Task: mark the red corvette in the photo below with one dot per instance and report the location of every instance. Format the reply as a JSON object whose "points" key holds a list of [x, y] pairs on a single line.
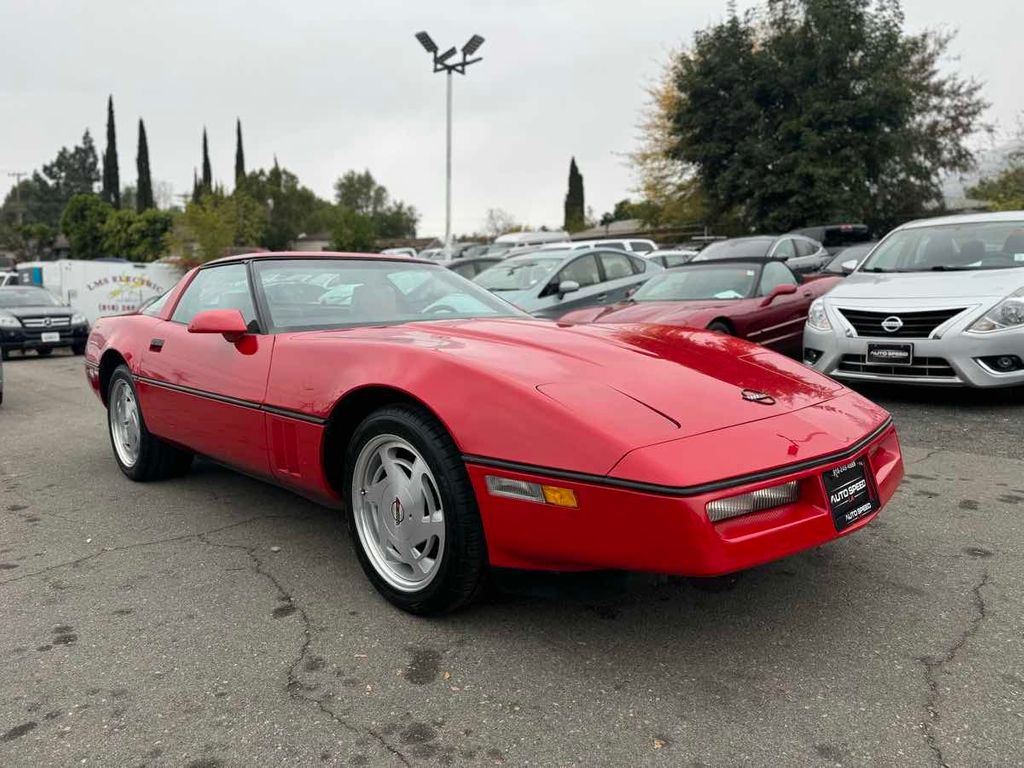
{"points": [[458, 433], [760, 300]]}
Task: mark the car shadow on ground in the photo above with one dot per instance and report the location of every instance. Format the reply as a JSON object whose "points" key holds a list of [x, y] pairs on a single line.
{"points": [[966, 397]]}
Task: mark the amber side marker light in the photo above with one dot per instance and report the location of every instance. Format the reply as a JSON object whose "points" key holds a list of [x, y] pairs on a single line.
{"points": [[541, 494], [755, 501]]}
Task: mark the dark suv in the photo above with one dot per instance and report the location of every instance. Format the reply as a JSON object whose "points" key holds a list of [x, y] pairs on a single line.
{"points": [[32, 318]]}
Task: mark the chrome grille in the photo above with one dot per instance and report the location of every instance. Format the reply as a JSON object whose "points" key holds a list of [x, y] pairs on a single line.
{"points": [[46, 322], [922, 367], [916, 325]]}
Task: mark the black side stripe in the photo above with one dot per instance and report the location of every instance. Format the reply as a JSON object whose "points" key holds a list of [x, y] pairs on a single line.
{"points": [[679, 490], [298, 415]]}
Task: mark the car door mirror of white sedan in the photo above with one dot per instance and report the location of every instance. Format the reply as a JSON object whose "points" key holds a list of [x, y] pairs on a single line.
{"points": [[227, 322], [849, 266], [568, 286]]}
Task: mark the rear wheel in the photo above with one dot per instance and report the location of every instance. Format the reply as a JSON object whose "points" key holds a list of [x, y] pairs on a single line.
{"points": [[140, 455], [412, 513]]}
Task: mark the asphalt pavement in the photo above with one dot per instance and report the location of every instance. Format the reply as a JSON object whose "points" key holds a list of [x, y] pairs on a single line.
{"points": [[219, 621]]}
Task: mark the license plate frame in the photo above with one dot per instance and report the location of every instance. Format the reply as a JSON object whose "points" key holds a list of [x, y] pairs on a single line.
{"points": [[50, 337], [850, 492], [890, 353]]}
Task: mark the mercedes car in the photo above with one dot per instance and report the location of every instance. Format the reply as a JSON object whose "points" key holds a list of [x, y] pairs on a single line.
{"points": [[938, 301], [32, 318]]}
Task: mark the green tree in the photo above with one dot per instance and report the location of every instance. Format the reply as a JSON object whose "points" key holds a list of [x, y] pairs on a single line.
{"points": [[205, 230], [808, 111], [361, 194], [144, 193], [291, 208], [137, 236], [111, 190], [239, 153], [351, 231], [575, 208], [83, 222], [207, 170], [1005, 190]]}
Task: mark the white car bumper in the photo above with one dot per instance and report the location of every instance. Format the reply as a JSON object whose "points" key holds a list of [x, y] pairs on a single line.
{"points": [[955, 358]]}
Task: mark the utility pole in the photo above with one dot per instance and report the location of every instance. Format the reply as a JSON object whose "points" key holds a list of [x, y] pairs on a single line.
{"points": [[441, 65], [18, 176]]}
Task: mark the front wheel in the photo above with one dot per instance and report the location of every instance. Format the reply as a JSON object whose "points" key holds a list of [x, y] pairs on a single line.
{"points": [[139, 454], [412, 513], [719, 327], [78, 349], [44, 351]]}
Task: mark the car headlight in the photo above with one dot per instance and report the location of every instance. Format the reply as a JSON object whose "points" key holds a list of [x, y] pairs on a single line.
{"points": [[1008, 313], [817, 317], [9, 321], [78, 319]]}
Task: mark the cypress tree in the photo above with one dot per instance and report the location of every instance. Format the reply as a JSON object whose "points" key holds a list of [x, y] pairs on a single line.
{"points": [[197, 191], [207, 172], [111, 191], [144, 191], [575, 217], [239, 153]]}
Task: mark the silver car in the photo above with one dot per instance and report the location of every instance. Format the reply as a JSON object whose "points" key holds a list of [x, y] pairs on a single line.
{"points": [[938, 301], [549, 283]]}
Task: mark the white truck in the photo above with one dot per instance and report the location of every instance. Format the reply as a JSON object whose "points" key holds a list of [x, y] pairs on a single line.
{"points": [[101, 287]]}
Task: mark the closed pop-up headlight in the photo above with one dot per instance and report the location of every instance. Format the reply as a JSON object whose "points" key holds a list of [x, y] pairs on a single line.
{"points": [[1009, 313], [817, 318]]}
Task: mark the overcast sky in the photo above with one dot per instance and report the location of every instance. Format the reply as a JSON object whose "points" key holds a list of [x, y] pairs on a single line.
{"points": [[335, 85]]}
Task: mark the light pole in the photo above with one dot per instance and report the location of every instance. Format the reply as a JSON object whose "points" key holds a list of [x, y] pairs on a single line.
{"points": [[441, 65]]}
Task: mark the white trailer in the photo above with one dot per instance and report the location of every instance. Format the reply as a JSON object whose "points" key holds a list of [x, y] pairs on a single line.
{"points": [[100, 288]]}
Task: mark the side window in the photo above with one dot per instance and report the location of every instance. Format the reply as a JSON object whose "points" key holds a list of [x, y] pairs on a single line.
{"points": [[156, 306], [224, 287], [775, 274], [610, 244], [639, 265], [639, 246], [784, 249], [616, 265], [805, 247], [582, 269]]}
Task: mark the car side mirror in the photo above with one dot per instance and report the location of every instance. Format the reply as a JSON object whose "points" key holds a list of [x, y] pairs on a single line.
{"points": [[568, 286], [631, 291], [779, 290], [849, 266], [227, 322]]}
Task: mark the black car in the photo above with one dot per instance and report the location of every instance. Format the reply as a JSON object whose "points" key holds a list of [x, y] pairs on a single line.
{"points": [[33, 318], [835, 237]]}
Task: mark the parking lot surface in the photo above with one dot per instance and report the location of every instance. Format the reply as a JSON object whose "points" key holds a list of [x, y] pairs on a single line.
{"points": [[218, 621]]}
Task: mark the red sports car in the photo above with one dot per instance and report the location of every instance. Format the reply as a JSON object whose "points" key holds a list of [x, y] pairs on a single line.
{"points": [[458, 433], [759, 300]]}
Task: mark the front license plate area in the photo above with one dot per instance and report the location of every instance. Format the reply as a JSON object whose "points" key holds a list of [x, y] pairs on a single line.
{"points": [[850, 492], [890, 354], [50, 337]]}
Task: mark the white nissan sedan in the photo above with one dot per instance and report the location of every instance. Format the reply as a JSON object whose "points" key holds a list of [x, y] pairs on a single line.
{"points": [[938, 301]]}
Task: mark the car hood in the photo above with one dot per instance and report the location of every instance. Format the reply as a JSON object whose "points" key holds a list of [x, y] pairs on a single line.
{"points": [[655, 382], [965, 284], [658, 311], [41, 311]]}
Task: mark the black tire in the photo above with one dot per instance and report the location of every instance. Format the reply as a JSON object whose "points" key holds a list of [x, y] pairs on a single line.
{"points": [[463, 564], [157, 459], [5, 354], [78, 349], [44, 351], [719, 327]]}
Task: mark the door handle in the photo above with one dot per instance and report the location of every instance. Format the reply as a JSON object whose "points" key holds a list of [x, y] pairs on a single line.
{"points": [[155, 345], [602, 297]]}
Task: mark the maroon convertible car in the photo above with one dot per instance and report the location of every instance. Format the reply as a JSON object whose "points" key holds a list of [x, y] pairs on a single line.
{"points": [[760, 300]]}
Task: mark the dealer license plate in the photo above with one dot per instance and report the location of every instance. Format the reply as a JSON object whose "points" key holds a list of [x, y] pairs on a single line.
{"points": [[49, 337], [891, 354], [851, 493]]}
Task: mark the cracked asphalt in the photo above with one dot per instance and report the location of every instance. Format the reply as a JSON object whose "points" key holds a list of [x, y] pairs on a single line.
{"points": [[218, 621]]}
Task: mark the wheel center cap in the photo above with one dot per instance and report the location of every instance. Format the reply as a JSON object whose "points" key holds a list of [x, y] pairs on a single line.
{"points": [[397, 511]]}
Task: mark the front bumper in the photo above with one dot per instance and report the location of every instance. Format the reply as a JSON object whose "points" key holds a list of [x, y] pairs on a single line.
{"points": [[22, 339], [622, 528], [955, 359]]}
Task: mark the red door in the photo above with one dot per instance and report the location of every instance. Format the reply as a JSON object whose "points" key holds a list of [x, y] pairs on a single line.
{"points": [[202, 391], [780, 325]]}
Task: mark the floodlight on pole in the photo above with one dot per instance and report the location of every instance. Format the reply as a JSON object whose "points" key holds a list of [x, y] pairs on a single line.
{"points": [[441, 65], [426, 42]]}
